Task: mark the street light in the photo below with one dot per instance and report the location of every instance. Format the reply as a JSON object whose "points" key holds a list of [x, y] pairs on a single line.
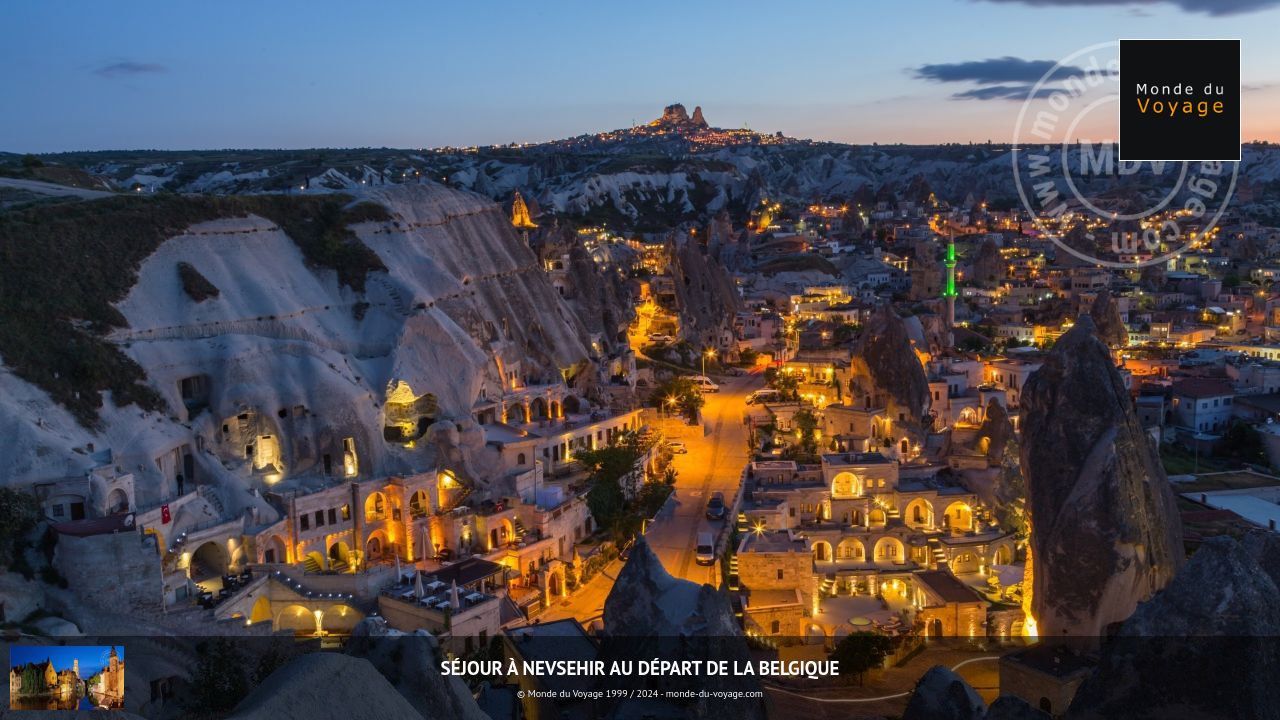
{"points": [[710, 353]]}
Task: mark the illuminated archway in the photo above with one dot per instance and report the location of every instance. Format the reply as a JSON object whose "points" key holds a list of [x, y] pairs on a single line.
{"points": [[419, 505], [959, 516], [117, 501], [814, 634], [210, 560], [919, 514], [297, 619], [1003, 555], [341, 619], [275, 551], [845, 485], [822, 551], [889, 549], [261, 611], [876, 518], [850, 549], [375, 507]]}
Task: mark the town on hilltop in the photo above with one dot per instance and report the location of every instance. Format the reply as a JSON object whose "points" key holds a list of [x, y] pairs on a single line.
{"points": [[300, 424]]}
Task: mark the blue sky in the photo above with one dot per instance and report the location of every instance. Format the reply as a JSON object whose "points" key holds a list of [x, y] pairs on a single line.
{"points": [[92, 658], [146, 74]]}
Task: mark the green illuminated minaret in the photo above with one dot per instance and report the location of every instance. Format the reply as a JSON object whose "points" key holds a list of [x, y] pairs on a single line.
{"points": [[950, 292]]}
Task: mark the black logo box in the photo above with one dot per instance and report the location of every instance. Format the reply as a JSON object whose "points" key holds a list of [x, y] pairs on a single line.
{"points": [[1184, 64]]}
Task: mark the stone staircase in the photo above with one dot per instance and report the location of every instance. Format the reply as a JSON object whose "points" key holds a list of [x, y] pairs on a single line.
{"points": [[828, 587], [518, 530], [937, 555], [311, 565]]}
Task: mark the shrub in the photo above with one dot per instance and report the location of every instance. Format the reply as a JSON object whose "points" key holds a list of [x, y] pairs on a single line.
{"points": [[197, 286]]}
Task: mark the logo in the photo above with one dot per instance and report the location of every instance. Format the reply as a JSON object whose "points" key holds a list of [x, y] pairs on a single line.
{"points": [[1082, 196]]}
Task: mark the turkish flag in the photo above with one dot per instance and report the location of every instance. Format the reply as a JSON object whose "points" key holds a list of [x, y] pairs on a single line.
{"points": [[164, 514]]}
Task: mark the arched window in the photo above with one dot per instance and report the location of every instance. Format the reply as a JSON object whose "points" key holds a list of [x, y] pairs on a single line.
{"points": [[520, 459]]}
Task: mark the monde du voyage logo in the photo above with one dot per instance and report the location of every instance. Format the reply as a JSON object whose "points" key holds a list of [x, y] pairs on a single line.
{"points": [[1158, 186], [1180, 100]]}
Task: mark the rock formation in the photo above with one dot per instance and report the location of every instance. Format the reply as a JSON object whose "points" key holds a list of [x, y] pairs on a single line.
{"points": [[885, 362], [1106, 317], [409, 661], [943, 695], [1204, 647], [650, 614], [697, 120], [988, 266], [706, 296], [325, 686], [1105, 530]]}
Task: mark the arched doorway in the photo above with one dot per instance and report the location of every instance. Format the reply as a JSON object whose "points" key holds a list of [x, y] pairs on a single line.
{"points": [[959, 516], [844, 484], [208, 562], [889, 549], [1003, 555], [919, 514], [376, 546], [538, 409], [117, 501], [814, 635], [261, 611], [297, 619], [876, 518], [850, 549], [822, 551], [339, 556], [275, 551], [340, 619], [419, 505], [935, 628], [375, 507], [572, 404]]}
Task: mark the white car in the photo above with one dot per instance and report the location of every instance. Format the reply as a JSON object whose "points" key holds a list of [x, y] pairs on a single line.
{"points": [[677, 447], [766, 395], [703, 383], [658, 338], [706, 550]]}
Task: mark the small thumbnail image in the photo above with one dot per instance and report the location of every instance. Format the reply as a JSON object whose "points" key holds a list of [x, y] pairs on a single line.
{"points": [[66, 677]]}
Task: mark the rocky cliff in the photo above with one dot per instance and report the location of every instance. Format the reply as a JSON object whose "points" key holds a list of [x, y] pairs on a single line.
{"points": [[705, 294], [1205, 647], [650, 614], [288, 352], [1106, 317], [885, 362], [1105, 530]]}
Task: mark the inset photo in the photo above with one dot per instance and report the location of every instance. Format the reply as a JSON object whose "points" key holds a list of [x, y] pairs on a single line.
{"points": [[66, 677]]}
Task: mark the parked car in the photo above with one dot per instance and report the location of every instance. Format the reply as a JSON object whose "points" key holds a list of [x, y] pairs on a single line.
{"points": [[765, 395], [715, 507], [706, 549], [703, 383], [659, 338], [676, 447]]}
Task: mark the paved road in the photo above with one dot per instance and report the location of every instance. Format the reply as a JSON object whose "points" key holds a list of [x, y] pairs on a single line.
{"points": [[717, 454]]}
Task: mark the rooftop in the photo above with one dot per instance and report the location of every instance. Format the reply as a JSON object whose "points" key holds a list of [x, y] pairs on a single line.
{"points": [[867, 458], [1202, 388], [944, 585]]}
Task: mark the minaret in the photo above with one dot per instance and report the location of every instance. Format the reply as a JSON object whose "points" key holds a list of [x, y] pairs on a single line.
{"points": [[950, 292]]}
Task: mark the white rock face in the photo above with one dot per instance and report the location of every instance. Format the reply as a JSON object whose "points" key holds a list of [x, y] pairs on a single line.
{"points": [[312, 362]]}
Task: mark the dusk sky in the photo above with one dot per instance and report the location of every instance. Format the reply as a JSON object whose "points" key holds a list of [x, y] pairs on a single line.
{"points": [[82, 75]]}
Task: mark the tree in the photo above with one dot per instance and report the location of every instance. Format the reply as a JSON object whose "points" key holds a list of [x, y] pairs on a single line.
{"points": [[1243, 443], [679, 393], [219, 683], [19, 512], [787, 384], [859, 652]]}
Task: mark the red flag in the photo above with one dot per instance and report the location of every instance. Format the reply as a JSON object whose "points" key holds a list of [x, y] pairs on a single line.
{"points": [[164, 514]]}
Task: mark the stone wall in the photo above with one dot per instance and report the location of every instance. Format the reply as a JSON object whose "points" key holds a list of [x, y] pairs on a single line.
{"points": [[759, 570], [119, 571]]}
